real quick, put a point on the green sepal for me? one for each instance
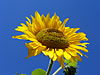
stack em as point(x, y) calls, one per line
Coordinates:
point(70, 63)
point(39, 72)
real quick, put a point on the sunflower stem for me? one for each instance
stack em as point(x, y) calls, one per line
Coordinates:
point(49, 67)
point(57, 71)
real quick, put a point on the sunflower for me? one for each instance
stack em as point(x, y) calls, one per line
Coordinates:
point(50, 37)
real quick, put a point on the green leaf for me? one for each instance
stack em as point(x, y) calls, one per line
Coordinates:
point(22, 74)
point(70, 63)
point(39, 72)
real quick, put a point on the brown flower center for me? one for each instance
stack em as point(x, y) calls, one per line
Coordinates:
point(52, 38)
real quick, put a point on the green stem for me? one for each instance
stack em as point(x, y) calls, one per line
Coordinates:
point(49, 67)
point(57, 71)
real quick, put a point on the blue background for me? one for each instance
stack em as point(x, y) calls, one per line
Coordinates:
point(84, 14)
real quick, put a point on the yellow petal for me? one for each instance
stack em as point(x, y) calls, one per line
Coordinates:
point(25, 37)
point(54, 57)
point(31, 53)
point(65, 30)
point(77, 51)
point(78, 58)
point(51, 53)
point(47, 20)
point(33, 19)
point(78, 47)
point(83, 44)
point(78, 36)
point(39, 50)
point(21, 29)
point(71, 31)
point(21, 37)
point(23, 25)
point(39, 20)
point(28, 19)
point(65, 21)
point(59, 52)
point(31, 45)
point(29, 25)
point(73, 53)
point(61, 61)
point(53, 22)
point(34, 49)
point(61, 28)
point(46, 52)
point(67, 55)
point(25, 30)
point(43, 18)
point(72, 59)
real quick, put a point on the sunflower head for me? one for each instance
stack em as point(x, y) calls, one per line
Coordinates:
point(50, 37)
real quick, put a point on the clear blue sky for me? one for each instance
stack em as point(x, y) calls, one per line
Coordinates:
point(84, 14)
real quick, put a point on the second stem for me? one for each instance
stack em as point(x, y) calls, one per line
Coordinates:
point(49, 67)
